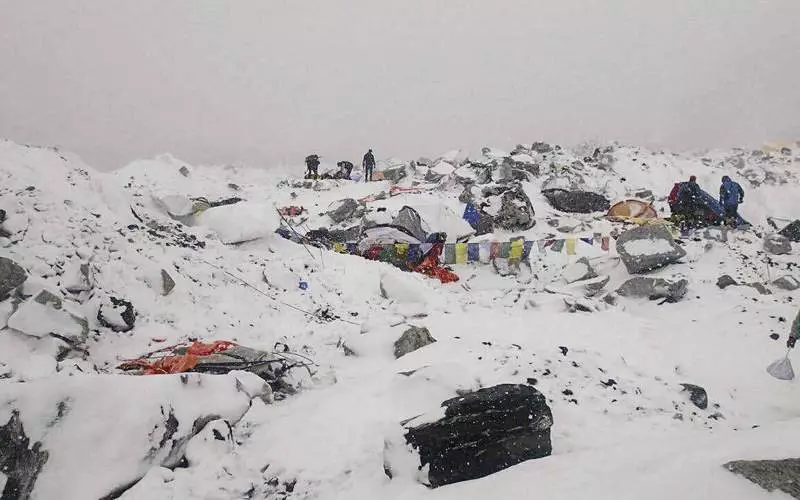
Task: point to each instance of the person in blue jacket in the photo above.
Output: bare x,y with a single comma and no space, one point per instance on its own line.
730,195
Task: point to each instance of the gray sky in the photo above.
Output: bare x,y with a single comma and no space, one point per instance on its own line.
268,81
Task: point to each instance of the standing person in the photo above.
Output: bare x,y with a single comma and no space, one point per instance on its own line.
730,195
688,201
794,332
369,165
312,166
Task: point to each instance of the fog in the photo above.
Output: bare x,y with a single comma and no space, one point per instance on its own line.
268,81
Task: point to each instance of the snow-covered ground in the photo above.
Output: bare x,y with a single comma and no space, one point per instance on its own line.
623,428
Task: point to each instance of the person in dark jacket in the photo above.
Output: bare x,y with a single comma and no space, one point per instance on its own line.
794,332
688,201
345,169
730,195
312,166
369,165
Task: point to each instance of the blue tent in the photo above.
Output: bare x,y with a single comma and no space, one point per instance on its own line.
714,211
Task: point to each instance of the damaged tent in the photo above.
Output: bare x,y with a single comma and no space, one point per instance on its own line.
632,209
709,208
410,220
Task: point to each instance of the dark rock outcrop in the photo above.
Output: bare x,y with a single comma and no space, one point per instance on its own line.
582,202
647,248
484,432
772,475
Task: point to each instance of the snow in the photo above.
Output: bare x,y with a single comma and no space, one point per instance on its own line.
640,438
648,247
38,320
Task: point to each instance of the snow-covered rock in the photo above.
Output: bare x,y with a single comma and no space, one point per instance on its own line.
654,288
117,314
579,270
241,222
647,248
777,244
46,314
12,275
412,339
102,433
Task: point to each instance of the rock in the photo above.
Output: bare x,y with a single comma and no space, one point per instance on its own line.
263,364
184,170
788,283
583,202
20,462
234,187
579,270
697,395
167,283
716,234
46,314
516,210
725,281
78,277
654,288
484,432
117,314
412,339
579,304
12,275
103,432
466,195
777,244
792,231
343,210
541,147
644,194
391,170
646,248
596,285
772,475
760,288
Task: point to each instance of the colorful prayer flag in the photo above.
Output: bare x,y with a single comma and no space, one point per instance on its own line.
570,244
339,247
558,245
605,243
505,249
461,253
401,250
515,250
449,253
473,252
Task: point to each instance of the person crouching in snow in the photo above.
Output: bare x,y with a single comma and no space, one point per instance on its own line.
730,195
794,332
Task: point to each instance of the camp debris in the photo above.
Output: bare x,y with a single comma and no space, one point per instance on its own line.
221,356
631,209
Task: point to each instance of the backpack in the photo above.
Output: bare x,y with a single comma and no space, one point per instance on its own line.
673,195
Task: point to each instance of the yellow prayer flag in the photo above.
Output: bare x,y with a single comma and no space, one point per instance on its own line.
401,249
339,247
516,250
461,253
570,244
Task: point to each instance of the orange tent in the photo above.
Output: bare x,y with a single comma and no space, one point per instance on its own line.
632,209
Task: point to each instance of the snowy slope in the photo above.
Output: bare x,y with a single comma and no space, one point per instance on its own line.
639,437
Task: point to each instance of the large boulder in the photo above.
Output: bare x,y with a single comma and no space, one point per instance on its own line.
772,475
412,339
654,288
47,314
343,210
788,283
516,210
20,462
101,433
579,270
117,314
484,432
583,202
777,244
11,275
646,248
78,277
792,231
697,395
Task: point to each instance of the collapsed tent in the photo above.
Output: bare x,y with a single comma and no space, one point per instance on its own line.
410,220
218,357
632,209
709,209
